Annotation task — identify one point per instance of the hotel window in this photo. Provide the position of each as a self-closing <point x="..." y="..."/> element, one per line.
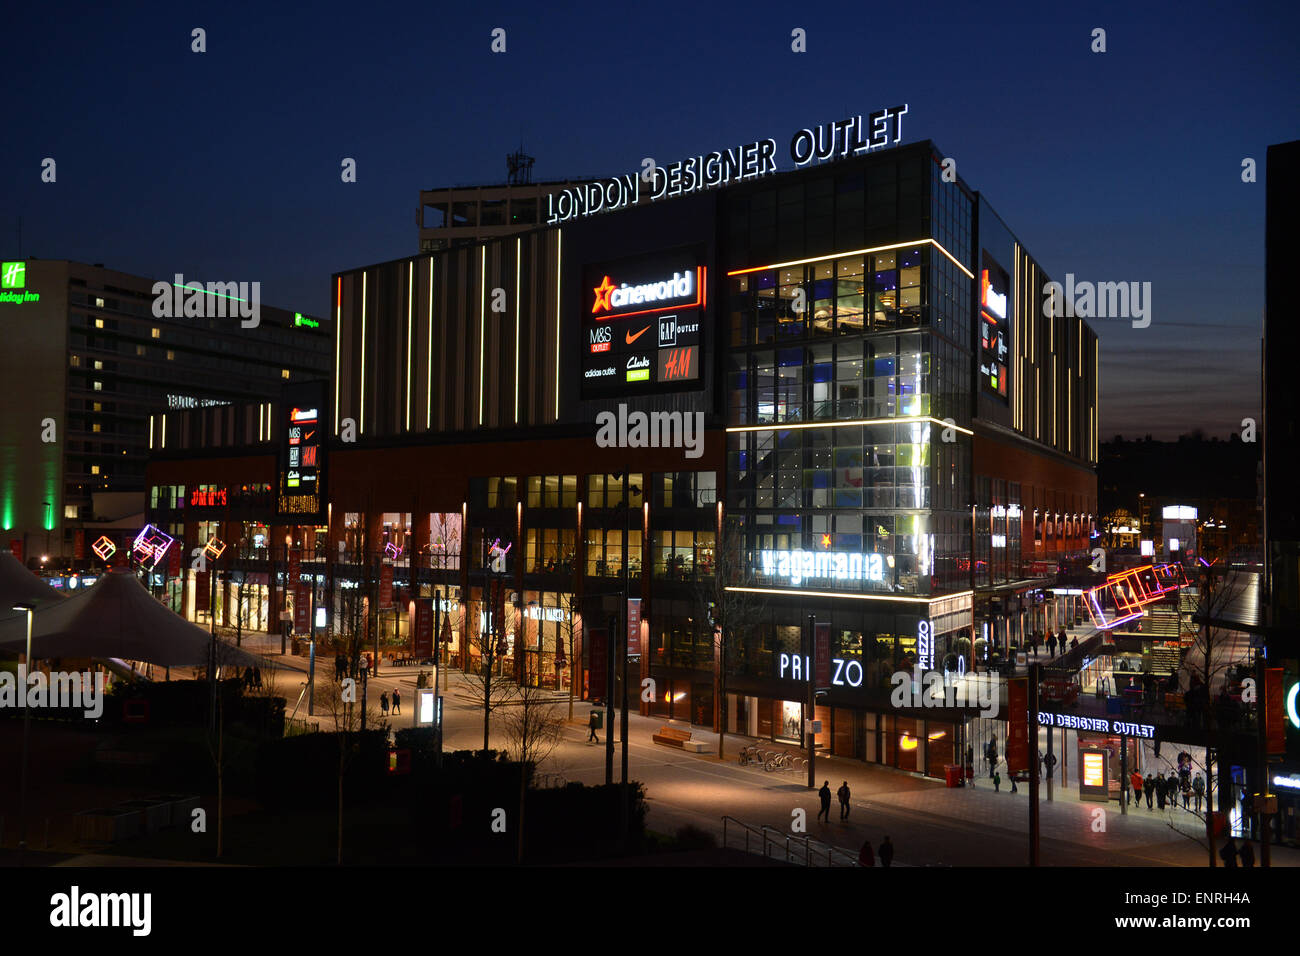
<point x="99" y="366"/>
<point x="94" y="469"/>
<point x="99" y="304"/>
<point x="70" y="512"/>
<point x="170" y="355"/>
<point x="139" y="350"/>
<point x="99" y="323"/>
<point x="95" y="427"/>
<point x="74" y="361"/>
<point x="97" y="386"/>
<point x="155" y="333"/>
<point x="284" y="373"/>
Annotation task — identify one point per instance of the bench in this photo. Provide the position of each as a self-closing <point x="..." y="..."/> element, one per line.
<point x="672" y="737"/>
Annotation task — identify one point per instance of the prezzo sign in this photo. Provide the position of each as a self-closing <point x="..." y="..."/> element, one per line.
<point x="1101" y="725"/>
<point x="834" y="140"/>
<point x="799" y="566"/>
<point x="844" y="672"/>
<point x="925" y="645"/>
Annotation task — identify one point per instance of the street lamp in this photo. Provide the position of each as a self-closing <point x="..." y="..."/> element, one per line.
<point x="29" y="607"/>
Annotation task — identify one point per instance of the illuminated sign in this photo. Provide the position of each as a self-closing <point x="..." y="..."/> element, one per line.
<point x="13" y="275"/>
<point x="851" y="136"/>
<point x="104" y="548"/>
<point x="925" y="645"/>
<point x="1100" y="725"/>
<point x="301" y="320"/>
<point x="545" y="613"/>
<point x="392" y="550"/>
<point x="189" y="401"/>
<point x="1292" y="711"/>
<point x="214" y="548"/>
<point x="1094" y="769"/>
<point x="994" y="327"/>
<point x="641" y="324"/>
<point x="798" y="566"/>
<point x="209" y="498"/>
<point x="301" y="450"/>
<point x="1125" y="593"/>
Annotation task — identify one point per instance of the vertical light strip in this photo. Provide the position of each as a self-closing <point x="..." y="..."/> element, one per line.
<point x="361" y="418"/>
<point x="338" y="338"/>
<point x="558" y="246"/>
<point x="1019" y="302"/>
<point x="482" y="311"/>
<point x="270" y="432"/>
<point x="1096" y="401"/>
<point x="1038" y="405"/>
<point x="518" y="270"/>
<point x="151" y="431"/>
<point x="410" y="310"/>
<point x="428" y="394"/>
<point x="164" y="431"/>
<point x="260" y="409"/>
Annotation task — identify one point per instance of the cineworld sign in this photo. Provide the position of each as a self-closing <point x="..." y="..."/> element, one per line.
<point x="847" y="137"/>
<point x="799" y="566"/>
<point x="1100" y="725"/>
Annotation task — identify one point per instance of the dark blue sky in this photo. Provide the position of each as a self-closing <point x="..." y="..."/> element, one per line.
<point x="225" y="165"/>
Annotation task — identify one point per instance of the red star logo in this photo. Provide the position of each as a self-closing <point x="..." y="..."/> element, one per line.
<point x="602" y="295"/>
<point x="826" y="541"/>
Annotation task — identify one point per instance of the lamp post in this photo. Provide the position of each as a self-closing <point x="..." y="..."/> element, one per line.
<point x="29" y="607"/>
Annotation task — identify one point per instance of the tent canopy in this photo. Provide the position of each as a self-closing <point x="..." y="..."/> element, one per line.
<point x="117" y="617"/>
<point x="20" y="586"/>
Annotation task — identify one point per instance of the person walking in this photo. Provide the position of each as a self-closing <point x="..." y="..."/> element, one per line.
<point x="1060" y="640"/>
<point x="865" y="856"/>
<point x="1247" y="853"/>
<point x="997" y="782"/>
<point x="593" y="722"/>
<point x="1051" y="644"/>
<point x="843" y="794"/>
<point x="1149" y="788"/>
<point x="1161" y="791"/>
<point x="1171" y="790"/>
<point x="1012" y="777"/>
<point x="886" y="852"/>
<point x="825" y="794"/>
<point x="1186" y="789"/>
<point x="1135" y="778"/>
<point x="383" y="703"/>
<point x="992" y="755"/>
<point x="1198" y="790"/>
<point x="397" y="702"/>
<point x="1229" y="854"/>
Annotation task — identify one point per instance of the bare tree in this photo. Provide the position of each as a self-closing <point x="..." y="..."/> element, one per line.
<point x="529" y="718"/>
<point x="570" y="627"/>
<point x="223" y="656"/>
<point x="732" y="614"/>
<point x="1206" y="664"/>
<point x="485" y="686"/>
<point x="343" y="703"/>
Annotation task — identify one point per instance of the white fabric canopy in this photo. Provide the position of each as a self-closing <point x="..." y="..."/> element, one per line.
<point x="20" y="586"/>
<point x="116" y="617"/>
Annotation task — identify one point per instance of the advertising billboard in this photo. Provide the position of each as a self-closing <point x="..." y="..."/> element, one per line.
<point x="301" y="436"/>
<point x="642" y="323"/>
<point x="994" y="327"/>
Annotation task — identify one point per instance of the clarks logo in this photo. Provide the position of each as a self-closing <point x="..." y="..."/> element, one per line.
<point x="615" y="299"/>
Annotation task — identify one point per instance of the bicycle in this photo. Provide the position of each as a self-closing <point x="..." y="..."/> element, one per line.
<point x="777" y="761"/>
<point x="748" y="755"/>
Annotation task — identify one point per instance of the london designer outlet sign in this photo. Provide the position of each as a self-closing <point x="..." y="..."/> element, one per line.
<point x="852" y="136"/>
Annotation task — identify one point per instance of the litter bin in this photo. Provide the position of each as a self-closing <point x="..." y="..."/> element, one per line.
<point x="952" y="774"/>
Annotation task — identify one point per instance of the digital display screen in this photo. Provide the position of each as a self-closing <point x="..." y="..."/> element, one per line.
<point x="994" y="326"/>
<point x="641" y="327"/>
<point x="1094" y="769"/>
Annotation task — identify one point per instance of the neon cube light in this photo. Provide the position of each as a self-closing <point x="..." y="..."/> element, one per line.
<point x="214" y="548"/>
<point x="1130" y="591"/>
<point x="104" y="548"/>
<point x="150" y="545"/>
<point x="392" y="550"/>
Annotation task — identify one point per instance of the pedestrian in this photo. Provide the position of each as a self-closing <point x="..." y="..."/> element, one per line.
<point x="1161" y="791"/>
<point x="1051" y="644"/>
<point x="593" y="722"/>
<point x="992" y="755"/>
<point x="997" y="782"/>
<point x="339" y="667"/>
<point x="1135" y="778"/>
<point x="1229" y="854"/>
<point x="1198" y="790"/>
<point x="383" y="703"/>
<point x="1171" y="789"/>
<point x="1074" y="643"/>
<point x="397" y="702"/>
<point x="1149" y="788"/>
<point x="1038" y="766"/>
<point x="886" y="852"/>
<point x="825" y="794"/>
<point x="1012" y="777"/>
<point x="865" y="856"/>
<point x="257" y="677"/>
<point x="1247" y="854"/>
<point x="1049" y="762"/>
<point x="843" y="794"/>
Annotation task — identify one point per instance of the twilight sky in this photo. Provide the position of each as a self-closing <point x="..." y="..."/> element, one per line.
<point x="1121" y="166"/>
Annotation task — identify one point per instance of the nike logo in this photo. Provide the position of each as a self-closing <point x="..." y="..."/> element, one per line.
<point x="632" y="338"/>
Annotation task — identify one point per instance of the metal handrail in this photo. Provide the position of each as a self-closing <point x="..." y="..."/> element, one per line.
<point x="776" y="837"/>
